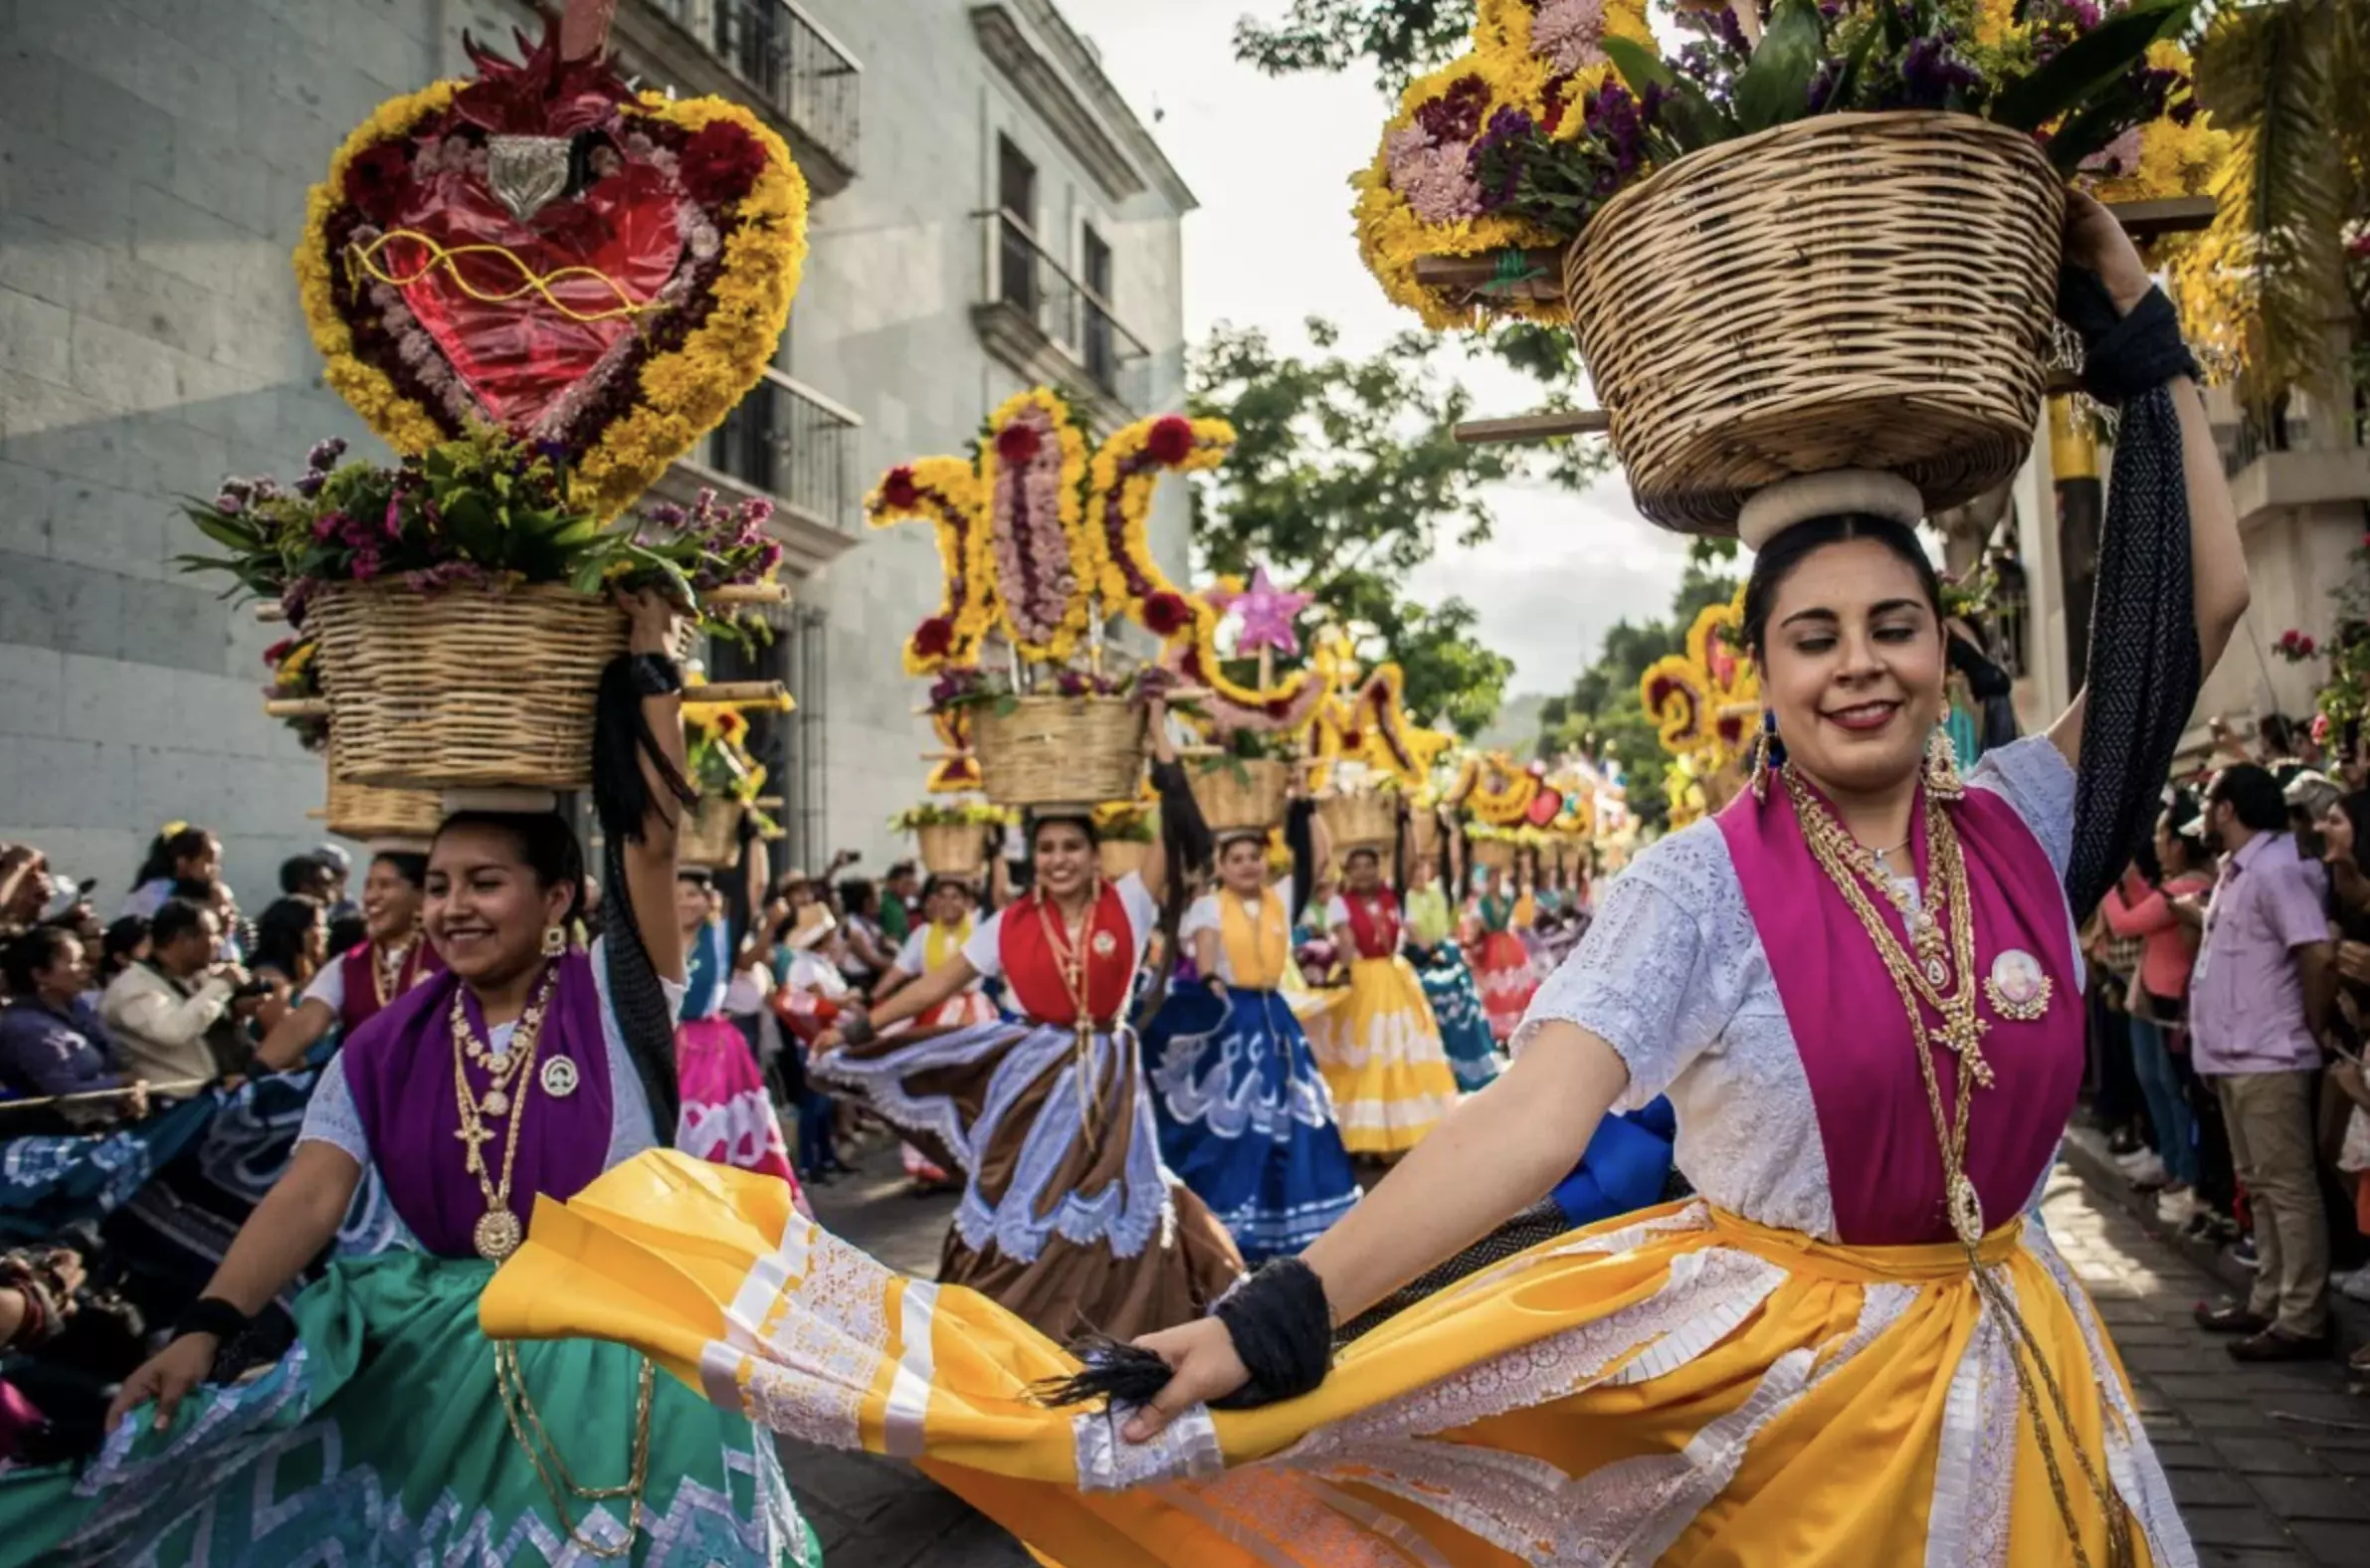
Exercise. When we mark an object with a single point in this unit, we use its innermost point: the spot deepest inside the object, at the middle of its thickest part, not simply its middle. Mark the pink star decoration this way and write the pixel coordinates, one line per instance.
(1268, 613)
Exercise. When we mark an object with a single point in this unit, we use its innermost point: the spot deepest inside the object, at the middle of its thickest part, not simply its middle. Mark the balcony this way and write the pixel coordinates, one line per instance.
(791, 443)
(765, 53)
(1052, 329)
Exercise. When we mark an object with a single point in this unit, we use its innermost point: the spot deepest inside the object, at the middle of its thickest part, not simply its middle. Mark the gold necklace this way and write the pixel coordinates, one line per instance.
(386, 968)
(497, 1231)
(1070, 946)
(1961, 1032)
(510, 1380)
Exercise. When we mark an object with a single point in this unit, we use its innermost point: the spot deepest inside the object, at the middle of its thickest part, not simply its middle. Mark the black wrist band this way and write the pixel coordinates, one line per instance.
(654, 675)
(211, 1314)
(856, 1027)
(2122, 355)
(1282, 1329)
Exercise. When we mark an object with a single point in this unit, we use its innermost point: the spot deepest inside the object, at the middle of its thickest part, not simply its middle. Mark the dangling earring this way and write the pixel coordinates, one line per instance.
(1941, 767)
(555, 941)
(1769, 754)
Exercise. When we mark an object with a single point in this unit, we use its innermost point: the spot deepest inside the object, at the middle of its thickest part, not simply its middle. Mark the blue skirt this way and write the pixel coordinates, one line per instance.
(1464, 1028)
(1245, 1118)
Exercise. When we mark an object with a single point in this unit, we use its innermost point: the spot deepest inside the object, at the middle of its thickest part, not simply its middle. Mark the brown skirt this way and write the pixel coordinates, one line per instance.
(1068, 1219)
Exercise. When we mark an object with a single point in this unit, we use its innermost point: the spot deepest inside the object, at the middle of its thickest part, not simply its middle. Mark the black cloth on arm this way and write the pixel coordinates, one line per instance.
(1300, 839)
(2146, 668)
(621, 799)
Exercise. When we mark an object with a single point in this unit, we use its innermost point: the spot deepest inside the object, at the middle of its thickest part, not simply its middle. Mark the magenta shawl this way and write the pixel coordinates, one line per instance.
(399, 1068)
(1883, 1166)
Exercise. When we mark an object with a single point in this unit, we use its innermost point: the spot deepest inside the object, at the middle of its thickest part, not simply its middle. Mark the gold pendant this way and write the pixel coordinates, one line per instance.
(498, 1234)
(1966, 1210)
(495, 1102)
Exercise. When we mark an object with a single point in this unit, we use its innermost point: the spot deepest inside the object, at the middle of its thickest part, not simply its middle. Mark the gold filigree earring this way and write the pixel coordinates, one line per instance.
(1769, 754)
(1941, 767)
(555, 941)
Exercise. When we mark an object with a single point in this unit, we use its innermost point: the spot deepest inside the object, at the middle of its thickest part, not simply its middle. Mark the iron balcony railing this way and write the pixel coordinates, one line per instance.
(797, 68)
(794, 444)
(1026, 279)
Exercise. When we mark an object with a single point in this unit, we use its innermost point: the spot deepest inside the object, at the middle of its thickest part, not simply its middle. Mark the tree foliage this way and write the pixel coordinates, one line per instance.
(1601, 712)
(1401, 38)
(1347, 478)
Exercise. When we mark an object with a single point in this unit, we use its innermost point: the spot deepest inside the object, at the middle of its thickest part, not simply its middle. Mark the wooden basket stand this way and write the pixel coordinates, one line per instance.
(1240, 794)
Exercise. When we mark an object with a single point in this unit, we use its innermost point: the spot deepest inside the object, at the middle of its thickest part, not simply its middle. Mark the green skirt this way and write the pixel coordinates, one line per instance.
(381, 1435)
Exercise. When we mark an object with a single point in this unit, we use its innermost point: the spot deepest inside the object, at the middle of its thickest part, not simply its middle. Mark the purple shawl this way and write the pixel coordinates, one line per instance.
(1883, 1166)
(399, 1067)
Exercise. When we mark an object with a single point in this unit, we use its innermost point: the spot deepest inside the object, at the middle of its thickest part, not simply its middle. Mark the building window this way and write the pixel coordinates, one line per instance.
(791, 747)
(1094, 258)
(1016, 197)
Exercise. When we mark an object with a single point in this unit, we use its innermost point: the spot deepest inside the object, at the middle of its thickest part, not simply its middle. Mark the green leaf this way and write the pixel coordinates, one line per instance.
(1847, 80)
(2088, 65)
(1775, 88)
(587, 576)
(2084, 132)
(1640, 67)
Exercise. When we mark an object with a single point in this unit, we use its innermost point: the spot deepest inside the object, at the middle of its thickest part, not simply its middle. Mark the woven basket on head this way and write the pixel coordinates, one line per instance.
(1492, 855)
(1849, 291)
(953, 849)
(1237, 794)
(465, 686)
(1121, 855)
(360, 813)
(1059, 750)
(1360, 821)
(711, 833)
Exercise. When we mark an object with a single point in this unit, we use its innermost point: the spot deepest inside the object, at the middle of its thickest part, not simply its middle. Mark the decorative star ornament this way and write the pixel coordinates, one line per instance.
(1267, 613)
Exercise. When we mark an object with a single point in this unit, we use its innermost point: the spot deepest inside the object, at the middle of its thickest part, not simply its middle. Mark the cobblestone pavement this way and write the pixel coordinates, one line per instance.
(2272, 1464)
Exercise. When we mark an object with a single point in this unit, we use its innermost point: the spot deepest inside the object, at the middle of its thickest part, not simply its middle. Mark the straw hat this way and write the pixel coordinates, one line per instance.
(814, 924)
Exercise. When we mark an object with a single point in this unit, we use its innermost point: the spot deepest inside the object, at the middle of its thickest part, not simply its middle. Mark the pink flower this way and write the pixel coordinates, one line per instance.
(393, 523)
(1432, 179)
(278, 651)
(2118, 159)
(1570, 33)
(366, 564)
(2320, 728)
(328, 524)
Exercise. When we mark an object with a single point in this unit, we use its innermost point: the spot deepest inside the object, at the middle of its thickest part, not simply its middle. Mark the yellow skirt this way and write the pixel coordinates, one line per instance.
(1380, 1050)
(1675, 1386)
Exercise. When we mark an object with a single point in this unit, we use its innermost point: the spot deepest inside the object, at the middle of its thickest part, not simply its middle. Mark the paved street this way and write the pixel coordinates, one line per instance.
(2272, 1464)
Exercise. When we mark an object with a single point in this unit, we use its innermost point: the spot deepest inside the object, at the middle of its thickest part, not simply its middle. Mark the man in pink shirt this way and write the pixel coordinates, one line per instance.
(2261, 988)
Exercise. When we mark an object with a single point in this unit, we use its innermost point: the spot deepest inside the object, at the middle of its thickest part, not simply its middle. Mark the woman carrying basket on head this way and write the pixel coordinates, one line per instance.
(1068, 1218)
(354, 986)
(1851, 1347)
(521, 1073)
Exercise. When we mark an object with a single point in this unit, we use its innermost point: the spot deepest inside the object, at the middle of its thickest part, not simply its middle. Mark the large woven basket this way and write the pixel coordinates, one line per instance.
(711, 833)
(953, 849)
(1848, 290)
(361, 813)
(1059, 750)
(1121, 855)
(1359, 821)
(1492, 855)
(1237, 794)
(467, 687)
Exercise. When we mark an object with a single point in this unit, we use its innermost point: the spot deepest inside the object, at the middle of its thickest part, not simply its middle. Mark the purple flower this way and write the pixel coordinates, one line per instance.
(2084, 13)
(1456, 114)
(769, 557)
(311, 485)
(1494, 166)
(229, 503)
(365, 564)
(328, 523)
(324, 455)
(393, 521)
(664, 513)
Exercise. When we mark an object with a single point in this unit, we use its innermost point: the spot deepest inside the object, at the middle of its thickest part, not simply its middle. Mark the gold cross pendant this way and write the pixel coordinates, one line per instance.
(1963, 1038)
(474, 1137)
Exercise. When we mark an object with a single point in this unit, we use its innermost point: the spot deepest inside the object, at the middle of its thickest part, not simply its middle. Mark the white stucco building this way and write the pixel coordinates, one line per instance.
(988, 214)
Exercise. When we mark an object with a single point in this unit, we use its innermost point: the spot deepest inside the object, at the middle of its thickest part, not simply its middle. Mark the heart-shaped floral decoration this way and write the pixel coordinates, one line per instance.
(602, 275)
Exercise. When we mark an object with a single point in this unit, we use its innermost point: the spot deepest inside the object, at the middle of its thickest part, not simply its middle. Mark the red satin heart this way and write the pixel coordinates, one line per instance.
(1545, 807)
(519, 356)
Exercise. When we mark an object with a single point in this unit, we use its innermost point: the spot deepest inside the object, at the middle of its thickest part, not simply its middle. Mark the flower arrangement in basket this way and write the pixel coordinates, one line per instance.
(1129, 830)
(542, 290)
(731, 782)
(1040, 539)
(952, 835)
(1905, 154)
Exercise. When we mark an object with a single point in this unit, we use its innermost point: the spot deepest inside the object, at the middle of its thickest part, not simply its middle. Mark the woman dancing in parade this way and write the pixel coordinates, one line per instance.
(520, 1072)
(1502, 967)
(1859, 987)
(1380, 1048)
(1245, 1118)
(352, 988)
(1068, 1218)
(947, 907)
(1448, 983)
(728, 1114)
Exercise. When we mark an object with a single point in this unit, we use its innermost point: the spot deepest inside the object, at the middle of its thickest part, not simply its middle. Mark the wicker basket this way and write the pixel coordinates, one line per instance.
(1059, 750)
(1863, 291)
(360, 813)
(1121, 855)
(711, 833)
(1362, 821)
(467, 687)
(1241, 794)
(953, 849)
(1492, 855)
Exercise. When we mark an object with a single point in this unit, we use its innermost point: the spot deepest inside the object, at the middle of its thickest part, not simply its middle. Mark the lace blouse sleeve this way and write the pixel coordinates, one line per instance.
(330, 1117)
(2034, 778)
(1639, 981)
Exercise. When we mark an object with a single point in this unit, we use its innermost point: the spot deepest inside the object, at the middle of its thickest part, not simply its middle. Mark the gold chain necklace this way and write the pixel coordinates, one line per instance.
(510, 1380)
(1961, 1032)
(1070, 946)
(497, 1231)
(386, 969)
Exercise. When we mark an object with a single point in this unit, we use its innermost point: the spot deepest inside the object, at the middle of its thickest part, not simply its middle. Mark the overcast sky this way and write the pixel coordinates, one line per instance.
(1271, 244)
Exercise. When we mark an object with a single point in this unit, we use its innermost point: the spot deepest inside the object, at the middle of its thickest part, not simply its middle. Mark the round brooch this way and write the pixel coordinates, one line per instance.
(559, 1077)
(2016, 988)
(1105, 944)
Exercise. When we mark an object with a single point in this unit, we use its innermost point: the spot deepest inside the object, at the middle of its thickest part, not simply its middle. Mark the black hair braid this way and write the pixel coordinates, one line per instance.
(621, 800)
